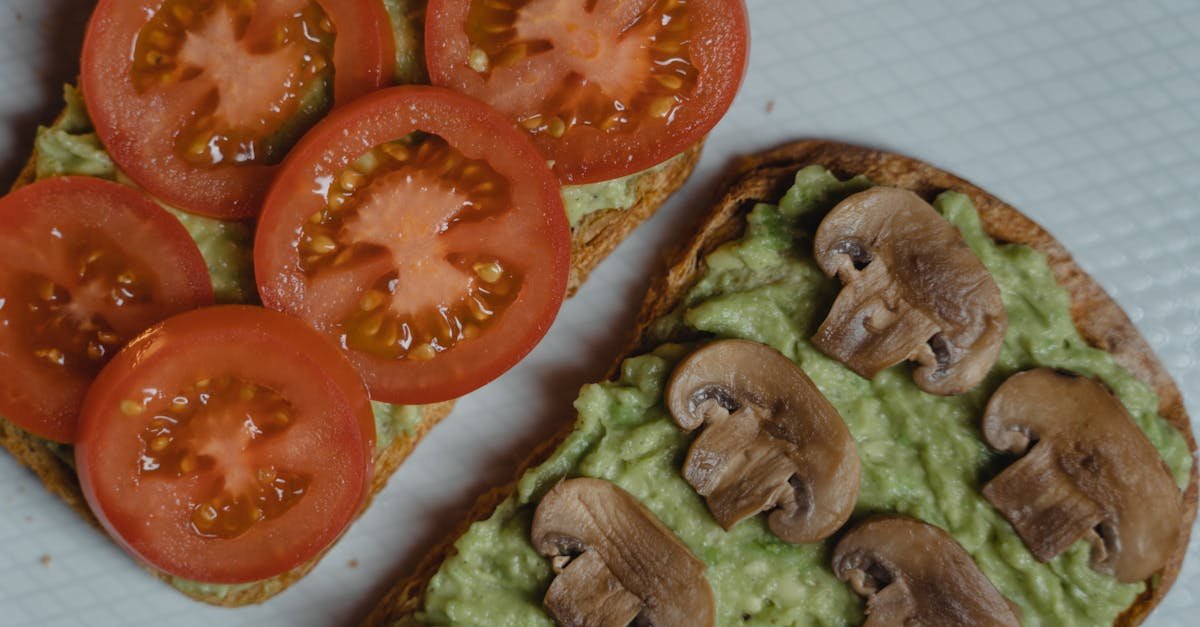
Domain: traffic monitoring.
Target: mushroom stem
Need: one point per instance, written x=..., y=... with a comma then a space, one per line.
x=1042, y=503
x=588, y=594
x=733, y=463
x=870, y=328
x=622, y=564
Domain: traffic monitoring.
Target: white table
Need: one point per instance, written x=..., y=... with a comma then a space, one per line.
x=1085, y=114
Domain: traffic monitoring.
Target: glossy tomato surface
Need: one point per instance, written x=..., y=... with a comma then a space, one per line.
x=422, y=231
x=226, y=445
x=85, y=265
x=197, y=100
x=605, y=87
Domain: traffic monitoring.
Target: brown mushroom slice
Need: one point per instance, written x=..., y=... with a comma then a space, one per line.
x=616, y=563
x=772, y=441
x=1088, y=472
x=913, y=573
x=912, y=290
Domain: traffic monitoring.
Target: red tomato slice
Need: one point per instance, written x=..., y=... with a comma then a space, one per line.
x=226, y=445
x=606, y=87
x=196, y=100
x=85, y=265
x=422, y=231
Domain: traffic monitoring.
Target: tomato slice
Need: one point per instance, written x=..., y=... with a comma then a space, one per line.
x=226, y=445
x=605, y=87
x=85, y=265
x=197, y=100
x=422, y=231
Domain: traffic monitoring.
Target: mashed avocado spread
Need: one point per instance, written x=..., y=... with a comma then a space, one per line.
x=922, y=455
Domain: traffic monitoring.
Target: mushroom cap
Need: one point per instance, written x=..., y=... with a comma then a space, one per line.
x=616, y=561
x=772, y=440
x=912, y=290
x=1087, y=471
x=913, y=573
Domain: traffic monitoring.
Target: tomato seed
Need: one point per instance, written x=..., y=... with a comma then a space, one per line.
x=512, y=54
x=423, y=352
x=372, y=300
x=322, y=244
x=372, y=324
x=660, y=107
x=396, y=151
x=489, y=272
x=391, y=331
x=351, y=180
x=52, y=355
x=670, y=81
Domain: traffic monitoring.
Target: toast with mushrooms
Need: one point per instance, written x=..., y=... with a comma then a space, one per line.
x=679, y=292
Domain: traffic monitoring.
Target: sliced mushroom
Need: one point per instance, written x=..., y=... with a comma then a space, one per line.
x=772, y=441
x=913, y=573
x=616, y=562
x=1088, y=472
x=912, y=290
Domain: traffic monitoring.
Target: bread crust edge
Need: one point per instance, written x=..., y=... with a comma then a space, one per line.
x=765, y=177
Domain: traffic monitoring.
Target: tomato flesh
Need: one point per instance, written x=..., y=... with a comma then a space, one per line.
x=605, y=87
x=227, y=445
x=252, y=65
x=401, y=201
x=211, y=427
x=198, y=100
x=85, y=265
x=430, y=243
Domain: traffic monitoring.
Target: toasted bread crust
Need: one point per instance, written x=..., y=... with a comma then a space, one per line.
x=591, y=241
x=764, y=178
x=599, y=233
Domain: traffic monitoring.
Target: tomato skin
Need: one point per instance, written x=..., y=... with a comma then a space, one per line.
x=45, y=401
x=589, y=155
x=479, y=132
x=135, y=128
x=259, y=345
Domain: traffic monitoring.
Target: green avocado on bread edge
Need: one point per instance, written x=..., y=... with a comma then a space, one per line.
x=749, y=274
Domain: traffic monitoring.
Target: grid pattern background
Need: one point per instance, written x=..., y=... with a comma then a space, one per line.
x=1083, y=113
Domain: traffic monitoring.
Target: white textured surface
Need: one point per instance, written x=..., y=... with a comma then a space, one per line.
x=1085, y=114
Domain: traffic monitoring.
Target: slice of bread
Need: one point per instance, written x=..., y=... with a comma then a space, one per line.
x=597, y=235
x=764, y=178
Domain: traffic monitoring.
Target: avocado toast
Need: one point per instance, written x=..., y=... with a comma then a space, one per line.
x=225, y=243
x=685, y=304
x=602, y=215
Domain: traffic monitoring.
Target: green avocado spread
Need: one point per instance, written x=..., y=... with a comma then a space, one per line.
x=922, y=455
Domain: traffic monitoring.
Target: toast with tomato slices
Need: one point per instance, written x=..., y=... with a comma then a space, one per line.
x=597, y=235
x=764, y=178
x=189, y=170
